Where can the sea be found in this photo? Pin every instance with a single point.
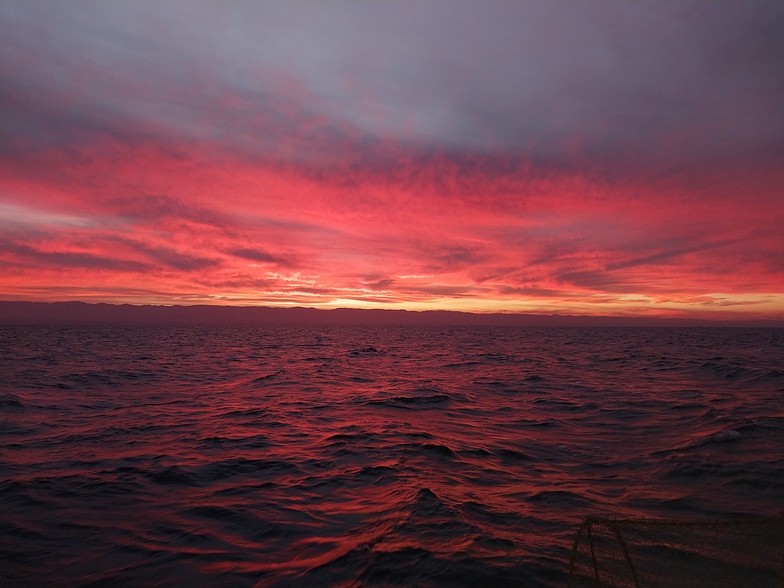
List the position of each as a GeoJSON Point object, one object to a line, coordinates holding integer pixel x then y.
{"type": "Point", "coordinates": [279, 456]}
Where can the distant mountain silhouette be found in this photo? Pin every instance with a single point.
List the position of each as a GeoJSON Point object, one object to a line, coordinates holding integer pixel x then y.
{"type": "Point", "coordinates": [84, 313]}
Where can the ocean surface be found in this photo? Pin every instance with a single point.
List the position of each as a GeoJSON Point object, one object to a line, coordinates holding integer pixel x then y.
{"type": "Point", "coordinates": [373, 456]}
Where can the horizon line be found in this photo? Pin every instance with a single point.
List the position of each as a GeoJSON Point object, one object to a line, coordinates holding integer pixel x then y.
{"type": "Point", "coordinates": [81, 312]}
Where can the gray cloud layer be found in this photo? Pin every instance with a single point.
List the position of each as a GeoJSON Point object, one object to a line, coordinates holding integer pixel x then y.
{"type": "Point", "coordinates": [548, 80]}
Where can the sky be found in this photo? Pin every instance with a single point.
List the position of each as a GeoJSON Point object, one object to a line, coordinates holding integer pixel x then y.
{"type": "Point", "coordinates": [596, 157]}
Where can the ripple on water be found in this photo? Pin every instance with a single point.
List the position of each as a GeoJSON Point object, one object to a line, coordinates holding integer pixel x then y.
{"type": "Point", "coordinates": [370, 456]}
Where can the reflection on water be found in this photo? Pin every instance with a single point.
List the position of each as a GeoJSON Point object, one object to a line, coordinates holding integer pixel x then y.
{"type": "Point", "coordinates": [369, 456]}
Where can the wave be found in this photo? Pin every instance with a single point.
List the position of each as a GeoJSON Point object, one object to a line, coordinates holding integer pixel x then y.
{"type": "Point", "coordinates": [247, 412]}
{"type": "Point", "coordinates": [11, 402]}
{"type": "Point", "coordinates": [727, 435]}
{"type": "Point", "coordinates": [561, 499]}
{"type": "Point", "coordinates": [250, 442]}
{"type": "Point", "coordinates": [410, 402]}
{"type": "Point", "coordinates": [266, 378]}
{"type": "Point", "coordinates": [364, 352]}
{"type": "Point", "coordinates": [172, 476]}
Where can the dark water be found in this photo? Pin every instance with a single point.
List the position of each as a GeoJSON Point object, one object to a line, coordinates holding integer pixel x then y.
{"type": "Point", "coordinates": [369, 457]}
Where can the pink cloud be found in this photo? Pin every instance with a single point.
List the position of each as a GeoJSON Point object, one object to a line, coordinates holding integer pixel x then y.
{"type": "Point", "coordinates": [151, 171]}
{"type": "Point", "coordinates": [191, 228]}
